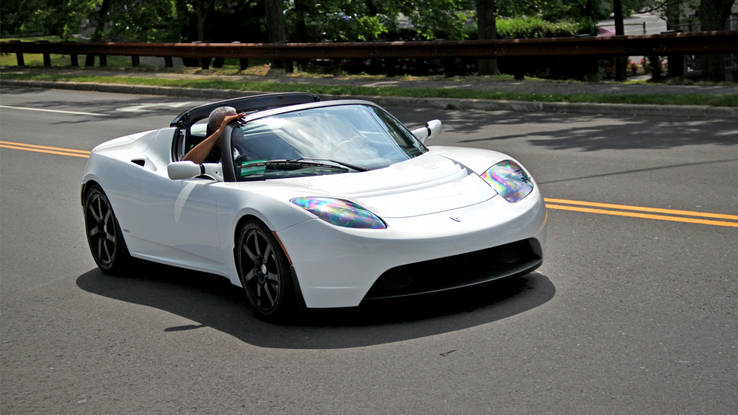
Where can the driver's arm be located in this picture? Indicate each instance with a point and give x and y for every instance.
(200, 152)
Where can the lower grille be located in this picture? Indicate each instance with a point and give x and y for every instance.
(458, 271)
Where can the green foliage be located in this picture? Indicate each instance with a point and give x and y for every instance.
(433, 19)
(360, 20)
(333, 20)
(306, 20)
(142, 21)
(536, 27)
(552, 10)
(44, 17)
(555, 10)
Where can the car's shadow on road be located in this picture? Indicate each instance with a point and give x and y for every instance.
(211, 301)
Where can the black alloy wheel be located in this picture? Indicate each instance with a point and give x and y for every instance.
(103, 233)
(264, 271)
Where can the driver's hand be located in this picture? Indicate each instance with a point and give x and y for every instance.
(229, 118)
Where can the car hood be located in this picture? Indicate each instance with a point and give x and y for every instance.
(425, 184)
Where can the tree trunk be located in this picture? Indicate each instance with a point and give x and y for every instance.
(302, 7)
(99, 29)
(673, 15)
(713, 15)
(487, 30)
(202, 9)
(673, 12)
(275, 28)
(100, 21)
(620, 61)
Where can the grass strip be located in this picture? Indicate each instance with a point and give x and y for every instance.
(723, 100)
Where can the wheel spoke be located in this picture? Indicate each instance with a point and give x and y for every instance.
(268, 295)
(107, 216)
(250, 254)
(268, 252)
(107, 251)
(258, 295)
(99, 248)
(272, 277)
(256, 243)
(249, 276)
(99, 207)
(110, 237)
(95, 216)
(93, 232)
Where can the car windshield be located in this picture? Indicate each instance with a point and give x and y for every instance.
(323, 140)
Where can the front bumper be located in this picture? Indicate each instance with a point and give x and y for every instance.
(336, 267)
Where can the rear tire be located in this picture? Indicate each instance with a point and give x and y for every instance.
(103, 232)
(265, 272)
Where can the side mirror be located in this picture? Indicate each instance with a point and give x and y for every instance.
(184, 170)
(431, 129)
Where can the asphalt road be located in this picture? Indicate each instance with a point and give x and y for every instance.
(627, 314)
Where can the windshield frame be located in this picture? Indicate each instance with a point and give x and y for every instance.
(229, 168)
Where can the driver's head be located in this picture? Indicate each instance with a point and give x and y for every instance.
(216, 117)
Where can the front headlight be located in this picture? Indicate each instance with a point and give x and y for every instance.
(509, 180)
(340, 212)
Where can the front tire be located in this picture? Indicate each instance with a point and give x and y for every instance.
(103, 233)
(264, 271)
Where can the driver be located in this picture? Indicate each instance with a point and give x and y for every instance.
(208, 151)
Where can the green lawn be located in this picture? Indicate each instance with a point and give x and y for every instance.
(281, 86)
(34, 60)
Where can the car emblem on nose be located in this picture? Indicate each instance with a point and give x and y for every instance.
(455, 218)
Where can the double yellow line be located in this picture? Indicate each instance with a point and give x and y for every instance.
(45, 149)
(672, 215)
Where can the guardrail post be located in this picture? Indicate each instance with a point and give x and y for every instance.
(134, 61)
(168, 62)
(73, 58)
(243, 63)
(620, 67)
(655, 62)
(675, 61)
(103, 60)
(203, 62)
(47, 56)
(19, 55)
(89, 60)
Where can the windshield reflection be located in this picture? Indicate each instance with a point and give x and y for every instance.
(356, 135)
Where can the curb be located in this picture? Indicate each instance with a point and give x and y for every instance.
(681, 111)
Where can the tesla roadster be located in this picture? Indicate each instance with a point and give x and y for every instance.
(313, 204)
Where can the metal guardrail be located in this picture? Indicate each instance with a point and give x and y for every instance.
(660, 44)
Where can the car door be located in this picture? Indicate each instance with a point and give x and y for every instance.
(179, 220)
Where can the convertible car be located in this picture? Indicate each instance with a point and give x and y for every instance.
(314, 204)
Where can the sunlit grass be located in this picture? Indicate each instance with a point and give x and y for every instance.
(37, 60)
(351, 90)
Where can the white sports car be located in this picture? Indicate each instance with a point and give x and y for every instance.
(314, 204)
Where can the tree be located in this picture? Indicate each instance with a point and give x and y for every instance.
(433, 19)
(713, 15)
(620, 62)
(275, 21)
(486, 29)
(44, 17)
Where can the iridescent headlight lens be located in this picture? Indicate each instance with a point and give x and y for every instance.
(509, 180)
(340, 212)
